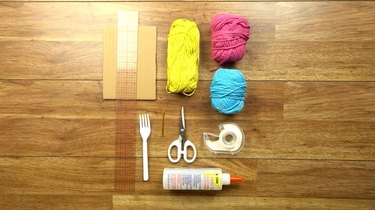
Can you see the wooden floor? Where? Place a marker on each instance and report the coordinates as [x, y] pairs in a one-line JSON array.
[[309, 117]]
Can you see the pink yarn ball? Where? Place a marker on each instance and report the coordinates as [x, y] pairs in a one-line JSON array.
[[228, 39]]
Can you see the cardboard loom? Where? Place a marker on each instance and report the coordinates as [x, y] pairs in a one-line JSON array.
[[146, 63]]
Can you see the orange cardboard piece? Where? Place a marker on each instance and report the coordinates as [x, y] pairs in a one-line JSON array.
[[146, 69], [109, 62], [146, 63]]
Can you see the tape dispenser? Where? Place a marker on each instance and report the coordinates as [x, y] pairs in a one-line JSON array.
[[230, 140]]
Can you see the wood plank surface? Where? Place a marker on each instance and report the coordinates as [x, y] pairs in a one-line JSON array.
[[303, 100], [264, 138], [73, 51], [83, 99], [39, 20], [268, 135], [54, 98], [56, 175], [37, 59], [275, 178], [268, 178], [265, 60], [172, 1], [330, 101], [256, 203], [57, 137], [294, 60], [310, 178], [43, 202], [330, 21], [309, 116]]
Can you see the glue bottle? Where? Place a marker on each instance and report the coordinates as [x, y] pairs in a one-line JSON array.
[[197, 179]]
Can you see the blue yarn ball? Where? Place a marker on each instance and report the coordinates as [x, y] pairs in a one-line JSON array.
[[228, 90]]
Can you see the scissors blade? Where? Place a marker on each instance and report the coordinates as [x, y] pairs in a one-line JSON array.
[[182, 118], [182, 128]]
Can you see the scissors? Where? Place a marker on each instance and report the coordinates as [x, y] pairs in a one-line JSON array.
[[182, 144]]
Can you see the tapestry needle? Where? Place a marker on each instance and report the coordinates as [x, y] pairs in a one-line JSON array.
[[162, 125]]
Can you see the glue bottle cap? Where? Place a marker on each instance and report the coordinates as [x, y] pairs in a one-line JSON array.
[[225, 179]]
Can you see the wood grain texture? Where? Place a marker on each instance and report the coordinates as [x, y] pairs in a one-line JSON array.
[[36, 59], [275, 178], [56, 175], [310, 178], [339, 21], [294, 60], [303, 100], [309, 117], [74, 51], [57, 137], [170, 1], [39, 20], [265, 60], [264, 138], [330, 101], [54, 98], [256, 203], [83, 99], [269, 178], [268, 135], [44, 202]]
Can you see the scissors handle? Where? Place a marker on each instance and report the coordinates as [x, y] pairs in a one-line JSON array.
[[177, 144], [182, 151], [188, 144]]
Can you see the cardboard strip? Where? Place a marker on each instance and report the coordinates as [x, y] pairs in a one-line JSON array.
[[109, 62], [146, 72]]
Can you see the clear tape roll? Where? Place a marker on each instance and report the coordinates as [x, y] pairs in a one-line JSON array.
[[230, 140]]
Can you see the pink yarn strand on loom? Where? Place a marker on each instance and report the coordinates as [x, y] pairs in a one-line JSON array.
[[228, 39]]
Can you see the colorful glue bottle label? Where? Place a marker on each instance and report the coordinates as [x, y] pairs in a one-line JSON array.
[[196, 179]]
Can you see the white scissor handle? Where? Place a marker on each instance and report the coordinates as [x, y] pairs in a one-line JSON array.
[[177, 144], [187, 144]]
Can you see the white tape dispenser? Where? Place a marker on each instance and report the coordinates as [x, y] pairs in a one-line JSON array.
[[230, 140]]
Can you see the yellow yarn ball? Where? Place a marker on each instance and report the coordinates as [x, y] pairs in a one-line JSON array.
[[183, 57]]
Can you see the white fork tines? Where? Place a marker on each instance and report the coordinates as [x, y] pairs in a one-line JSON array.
[[145, 131], [144, 125]]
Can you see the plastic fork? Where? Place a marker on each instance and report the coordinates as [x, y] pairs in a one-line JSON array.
[[145, 131]]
